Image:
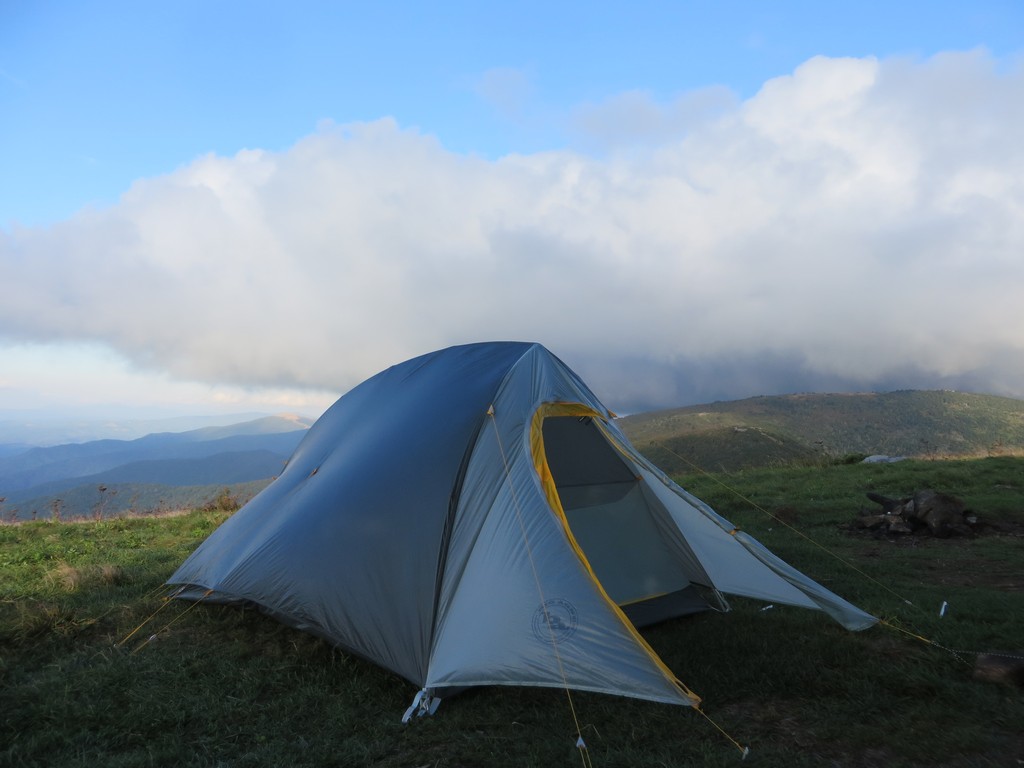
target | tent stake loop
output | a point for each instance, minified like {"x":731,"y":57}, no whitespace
{"x":423,"y":704}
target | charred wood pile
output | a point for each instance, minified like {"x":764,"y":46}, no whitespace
{"x":927,"y":512}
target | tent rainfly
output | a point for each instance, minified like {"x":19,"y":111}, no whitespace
{"x":475,"y":517}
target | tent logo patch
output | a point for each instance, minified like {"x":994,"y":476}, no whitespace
{"x":555,"y":620}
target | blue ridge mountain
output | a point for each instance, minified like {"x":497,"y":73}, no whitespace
{"x":211,"y":456}
{"x":23,"y":429}
{"x":278,"y":434}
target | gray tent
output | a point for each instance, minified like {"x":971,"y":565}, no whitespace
{"x":475,"y":517}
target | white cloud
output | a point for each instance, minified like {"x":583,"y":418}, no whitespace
{"x":67,"y":379}
{"x":856,"y":224}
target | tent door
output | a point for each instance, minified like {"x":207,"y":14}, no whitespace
{"x":613,"y":522}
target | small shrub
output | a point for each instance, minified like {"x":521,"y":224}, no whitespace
{"x":99,"y":509}
{"x":225,"y":501}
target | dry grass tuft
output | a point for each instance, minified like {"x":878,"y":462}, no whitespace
{"x":72,"y":578}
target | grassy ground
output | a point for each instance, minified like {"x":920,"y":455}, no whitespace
{"x":222,"y":686}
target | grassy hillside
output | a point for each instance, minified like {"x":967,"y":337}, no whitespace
{"x":728,"y":449}
{"x":214,"y":685}
{"x":784,"y":429}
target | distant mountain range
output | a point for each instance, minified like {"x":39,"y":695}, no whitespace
{"x":182,"y":470}
{"x":167,"y":470}
{"x":20,"y":430}
{"x":765,"y":431}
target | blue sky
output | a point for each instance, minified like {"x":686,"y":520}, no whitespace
{"x":99,"y":94}
{"x":114,"y":113}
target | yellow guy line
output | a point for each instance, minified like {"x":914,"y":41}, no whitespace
{"x":164,"y":604}
{"x":149,"y":618}
{"x":145,"y":642}
{"x":743,"y":750}
{"x":955,"y":654}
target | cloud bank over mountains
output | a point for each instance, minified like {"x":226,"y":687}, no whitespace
{"x":856,"y":225}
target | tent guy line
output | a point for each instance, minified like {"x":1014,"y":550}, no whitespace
{"x":753,"y":504}
{"x":958,"y":655}
{"x":580,"y":743}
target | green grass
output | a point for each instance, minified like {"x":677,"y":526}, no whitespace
{"x":221,"y":686}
